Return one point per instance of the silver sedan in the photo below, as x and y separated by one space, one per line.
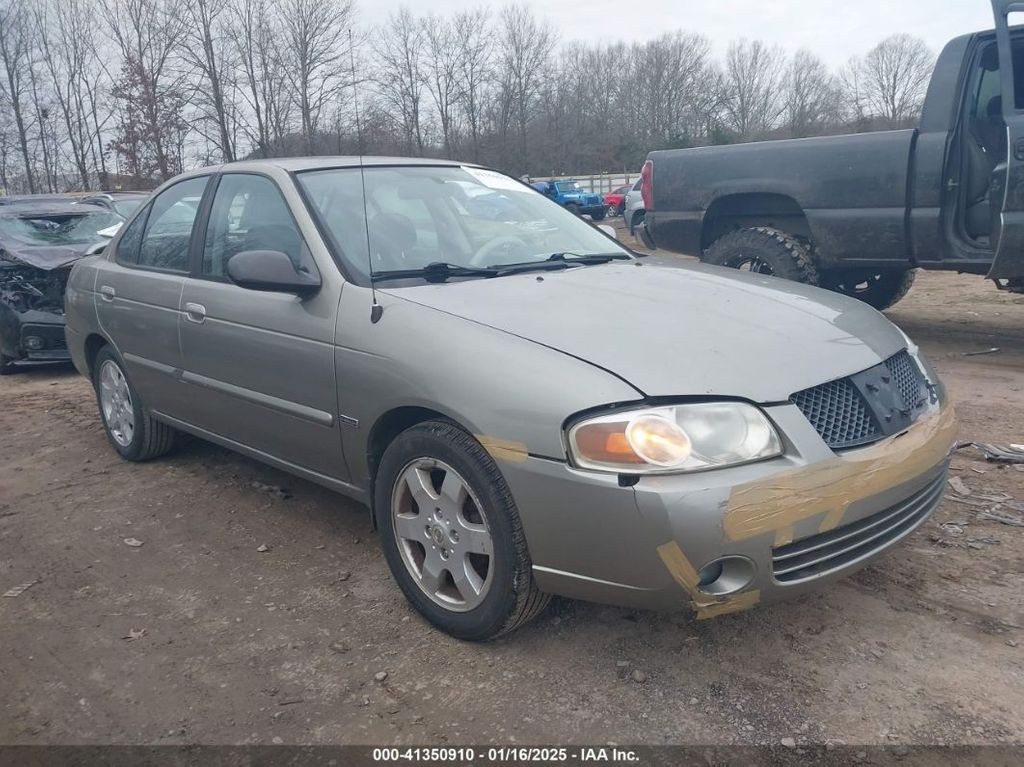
526 407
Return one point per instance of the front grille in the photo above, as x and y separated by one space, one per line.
826 552
867 406
838 413
908 379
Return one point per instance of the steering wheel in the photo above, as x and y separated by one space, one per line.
490 249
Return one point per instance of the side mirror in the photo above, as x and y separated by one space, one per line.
270 270
609 230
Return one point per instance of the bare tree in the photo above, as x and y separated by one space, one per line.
148 33
203 22
314 56
441 73
525 49
67 32
894 77
753 87
475 57
811 95
400 78
16 58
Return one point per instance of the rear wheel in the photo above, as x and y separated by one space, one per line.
878 289
451 533
131 430
573 208
764 250
611 211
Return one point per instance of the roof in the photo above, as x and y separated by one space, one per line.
294 164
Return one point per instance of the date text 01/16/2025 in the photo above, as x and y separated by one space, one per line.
505 754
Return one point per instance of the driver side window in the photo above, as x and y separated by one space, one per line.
249 213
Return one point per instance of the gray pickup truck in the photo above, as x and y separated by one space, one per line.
859 213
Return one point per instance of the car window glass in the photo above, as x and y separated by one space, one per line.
249 213
462 216
169 226
131 240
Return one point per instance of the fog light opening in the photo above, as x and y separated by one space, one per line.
727 575
35 343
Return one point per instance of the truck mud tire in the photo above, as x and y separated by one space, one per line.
573 208
131 430
7 366
451 533
764 250
878 289
598 215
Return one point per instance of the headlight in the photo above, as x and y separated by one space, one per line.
678 438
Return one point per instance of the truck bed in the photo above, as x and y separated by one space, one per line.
852 191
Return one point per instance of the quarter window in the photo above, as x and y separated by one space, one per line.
249 213
169 226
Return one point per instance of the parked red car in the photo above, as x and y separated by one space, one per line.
615 202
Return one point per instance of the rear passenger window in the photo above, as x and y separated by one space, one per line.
169 226
249 213
128 245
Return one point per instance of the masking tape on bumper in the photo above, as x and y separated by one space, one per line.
776 503
705 605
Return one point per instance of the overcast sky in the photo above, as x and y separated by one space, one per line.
833 30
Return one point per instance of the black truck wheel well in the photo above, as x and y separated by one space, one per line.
753 209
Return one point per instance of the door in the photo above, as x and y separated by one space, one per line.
1008 186
139 288
260 365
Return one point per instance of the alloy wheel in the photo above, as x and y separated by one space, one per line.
442 534
116 402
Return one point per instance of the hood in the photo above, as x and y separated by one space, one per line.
672 328
45 257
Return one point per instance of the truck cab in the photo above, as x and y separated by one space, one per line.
860 213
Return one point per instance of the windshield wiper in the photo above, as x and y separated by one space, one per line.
435 271
589 258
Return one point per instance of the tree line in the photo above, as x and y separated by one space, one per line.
128 93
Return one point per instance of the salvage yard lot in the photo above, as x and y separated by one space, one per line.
199 636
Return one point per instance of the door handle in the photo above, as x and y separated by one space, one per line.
195 313
107 293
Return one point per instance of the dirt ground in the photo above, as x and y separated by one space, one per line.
197 636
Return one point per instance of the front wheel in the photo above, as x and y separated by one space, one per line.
878 289
451 533
611 211
7 365
598 215
131 430
573 208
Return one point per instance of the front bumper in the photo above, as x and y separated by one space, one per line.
803 519
34 336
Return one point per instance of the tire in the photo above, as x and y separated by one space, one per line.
879 289
764 250
573 208
144 438
635 220
7 366
434 458
611 211
598 215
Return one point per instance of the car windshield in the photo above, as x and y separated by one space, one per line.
568 186
460 216
57 228
127 206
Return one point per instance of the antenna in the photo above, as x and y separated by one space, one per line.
376 310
